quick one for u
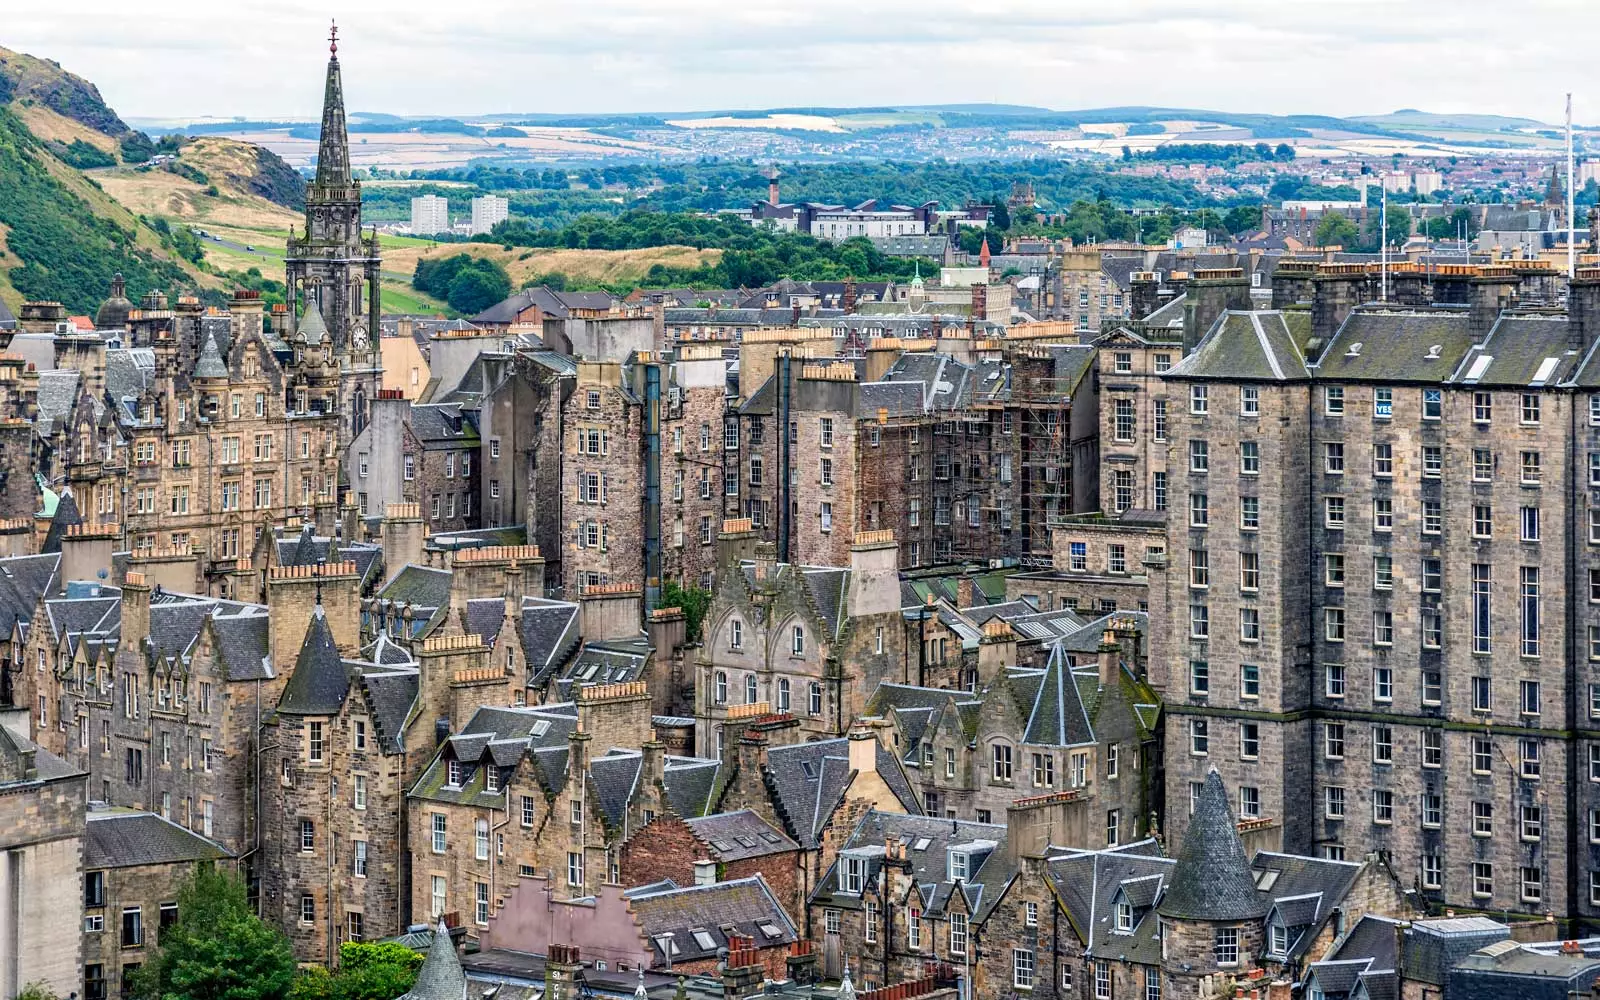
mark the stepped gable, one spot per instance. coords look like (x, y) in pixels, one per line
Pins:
(1212, 880)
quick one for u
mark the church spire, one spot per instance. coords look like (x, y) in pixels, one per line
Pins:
(333, 154)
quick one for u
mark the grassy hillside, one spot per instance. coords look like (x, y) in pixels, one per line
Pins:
(29, 80)
(65, 237)
(584, 267)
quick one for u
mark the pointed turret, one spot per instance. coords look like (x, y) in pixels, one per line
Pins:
(1212, 879)
(320, 681)
(210, 365)
(333, 153)
(312, 329)
(441, 976)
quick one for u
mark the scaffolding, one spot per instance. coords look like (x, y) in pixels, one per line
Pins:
(1043, 403)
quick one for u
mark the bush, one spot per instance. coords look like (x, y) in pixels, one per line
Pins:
(82, 155)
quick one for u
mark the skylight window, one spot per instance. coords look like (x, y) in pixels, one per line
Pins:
(705, 940)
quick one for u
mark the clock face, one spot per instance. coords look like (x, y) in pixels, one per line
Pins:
(358, 337)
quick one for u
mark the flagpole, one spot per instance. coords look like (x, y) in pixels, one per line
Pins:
(1572, 250)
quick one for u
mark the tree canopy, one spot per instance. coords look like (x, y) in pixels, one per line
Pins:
(218, 949)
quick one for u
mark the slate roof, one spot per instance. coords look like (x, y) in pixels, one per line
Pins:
(549, 634)
(808, 781)
(441, 976)
(243, 640)
(927, 841)
(1392, 346)
(736, 836)
(23, 581)
(1213, 880)
(1254, 346)
(210, 363)
(1088, 883)
(444, 425)
(392, 693)
(7, 320)
(1058, 716)
(698, 917)
(125, 838)
(1431, 948)
(1519, 349)
(320, 681)
(58, 394)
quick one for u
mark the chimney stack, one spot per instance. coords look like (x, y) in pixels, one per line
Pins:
(1494, 289)
(1335, 290)
(1211, 294)
(1583, 309)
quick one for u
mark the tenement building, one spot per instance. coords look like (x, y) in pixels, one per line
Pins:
(1381, 621)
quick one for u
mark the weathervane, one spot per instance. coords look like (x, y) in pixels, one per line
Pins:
(333, 36)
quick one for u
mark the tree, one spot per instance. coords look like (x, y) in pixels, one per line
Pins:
(1242, 219)
(475, 289)
(1335, 230)
(218, 949)
(694, 602)
(366, 972)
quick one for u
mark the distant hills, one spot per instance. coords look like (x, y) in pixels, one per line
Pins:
(1409, 124)
(71, 168)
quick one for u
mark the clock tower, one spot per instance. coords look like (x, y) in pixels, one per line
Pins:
(332, 268)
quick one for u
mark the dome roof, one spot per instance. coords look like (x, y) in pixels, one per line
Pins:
(113, 314)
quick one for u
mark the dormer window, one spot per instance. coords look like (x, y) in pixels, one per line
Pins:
(453, 771)
(960, 866)
(852, 873)
(1278, 943)
(1124, 916)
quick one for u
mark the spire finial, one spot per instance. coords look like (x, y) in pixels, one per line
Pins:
(333, 37)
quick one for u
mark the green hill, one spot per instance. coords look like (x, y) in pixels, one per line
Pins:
(61, 236)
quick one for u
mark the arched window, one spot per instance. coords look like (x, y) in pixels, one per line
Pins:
(750, 689)
(722, 687)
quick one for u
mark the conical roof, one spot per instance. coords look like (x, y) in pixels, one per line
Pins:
(211, 364)
(1212, 879)
(320, 682)
(312, 330)
(66, 515)
(333, 152)
(441, 976)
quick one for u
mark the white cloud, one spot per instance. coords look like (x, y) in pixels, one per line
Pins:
(264, 59)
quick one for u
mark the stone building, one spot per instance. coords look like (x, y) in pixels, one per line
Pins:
(1087, 732)
(736, 845)
(133, 866)
(1018, 917)
(426, 454)
(331, 272)
(962, 459)
(810, 641)
(1374, 622)
(42, 816)
(551, 791)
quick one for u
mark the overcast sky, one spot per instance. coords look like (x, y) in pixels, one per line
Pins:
(263, 58)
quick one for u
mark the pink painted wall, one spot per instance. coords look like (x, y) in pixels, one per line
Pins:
(602, 928)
